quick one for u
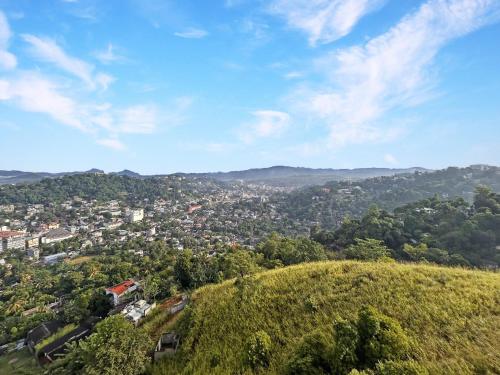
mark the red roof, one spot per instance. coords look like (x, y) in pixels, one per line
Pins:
(122, 287)
(10, 233)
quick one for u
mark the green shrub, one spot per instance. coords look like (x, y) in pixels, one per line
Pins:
(258, 350)
(381, 338)
(313, 355)
(346, 343)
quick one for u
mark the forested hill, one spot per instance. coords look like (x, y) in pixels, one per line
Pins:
(97, 186)
(330, 203)
(299, 177)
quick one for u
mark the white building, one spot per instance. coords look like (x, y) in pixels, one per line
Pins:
(133, 216)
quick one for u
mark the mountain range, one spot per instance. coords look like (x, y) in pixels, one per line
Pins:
(276, 175)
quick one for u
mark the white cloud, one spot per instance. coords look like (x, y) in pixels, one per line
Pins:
(48, 50)
(390, 71)
(324, 21)
(293, 75)
(108, 55)
(7, 59)
(192, 33)
(267, 124)
(139, 119)
(111, 143)
(34, 93)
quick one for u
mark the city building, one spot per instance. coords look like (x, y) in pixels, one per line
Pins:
(56, 235)
(11, 240)
(133, 216)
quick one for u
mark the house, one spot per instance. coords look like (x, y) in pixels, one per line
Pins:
(41, 332)
(33, 253)
(32, 242)
(119, 291)
(58, 347)
(137, 310)
(167, 345)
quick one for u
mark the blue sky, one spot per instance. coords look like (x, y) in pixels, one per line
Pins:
(161, 86)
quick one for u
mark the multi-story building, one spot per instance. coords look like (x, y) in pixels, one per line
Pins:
(11, 240)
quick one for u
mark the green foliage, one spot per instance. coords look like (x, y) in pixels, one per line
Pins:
(380, 338)
(258, 350)
(116, 348)
(367, 249)
(449, 316)
(345, 345)
(312, 356)
(291, 251)
(60, 333)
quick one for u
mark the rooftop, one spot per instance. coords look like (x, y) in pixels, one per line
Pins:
(122, 287)
(10, 233)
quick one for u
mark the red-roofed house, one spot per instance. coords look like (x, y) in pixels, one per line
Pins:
(120, 290)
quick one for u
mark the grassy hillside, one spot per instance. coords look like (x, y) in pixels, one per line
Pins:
(451, 316)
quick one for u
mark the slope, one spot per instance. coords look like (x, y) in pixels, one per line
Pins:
(451, 316)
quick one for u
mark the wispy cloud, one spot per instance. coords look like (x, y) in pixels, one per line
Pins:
(34, 93)
(191, 33)
(324, 21)
(108, 55)
(7, 59)
(391, 71)
(266, 124)
(111, 143)
(48, 50)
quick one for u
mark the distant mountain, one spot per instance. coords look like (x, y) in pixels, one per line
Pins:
(16, 177)
(128, 173)
(276, 176)
(298, 176)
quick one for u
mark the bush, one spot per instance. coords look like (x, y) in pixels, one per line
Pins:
(313, 355)
(258, 350)
(381, 338)
(346, 343)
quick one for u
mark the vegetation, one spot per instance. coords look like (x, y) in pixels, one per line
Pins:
(115, 347)
(404, 326)
(451, 232)
(60, 333)
(329, 204)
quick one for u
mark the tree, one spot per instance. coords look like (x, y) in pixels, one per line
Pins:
(238, 263)
(115, 348)
(258, 350)
(367, 249)
(151, 287)
(182, 269)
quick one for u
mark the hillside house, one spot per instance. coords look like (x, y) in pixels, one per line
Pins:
(119, 291)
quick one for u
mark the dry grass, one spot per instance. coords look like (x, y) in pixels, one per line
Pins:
(452, 315)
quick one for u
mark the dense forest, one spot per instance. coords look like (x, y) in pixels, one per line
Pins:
(101, 187)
